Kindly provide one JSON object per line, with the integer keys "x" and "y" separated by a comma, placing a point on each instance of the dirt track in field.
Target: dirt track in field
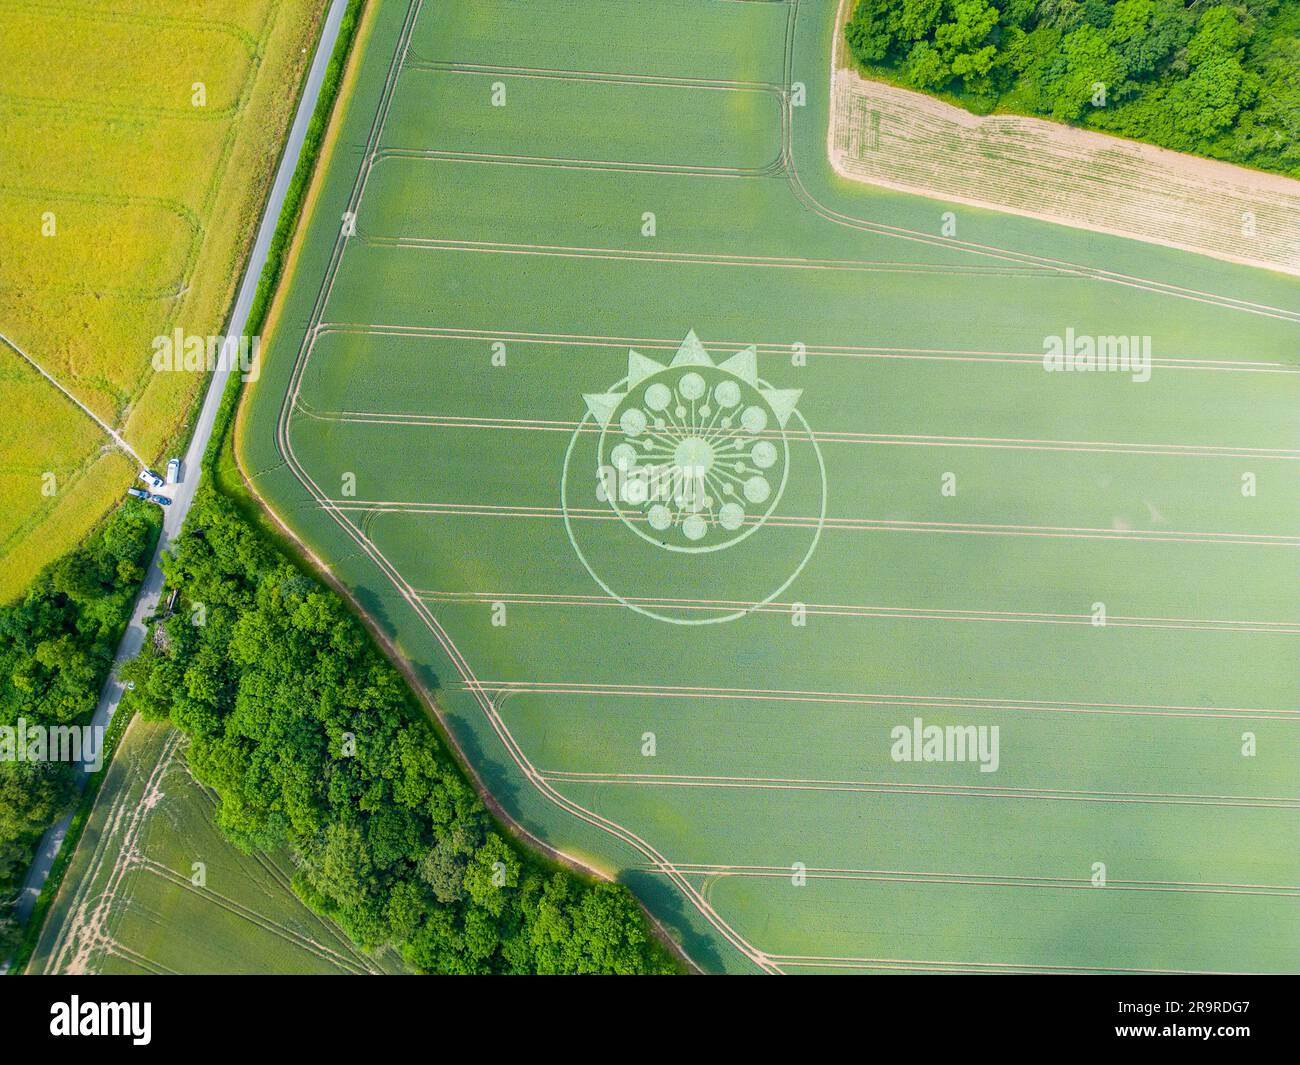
{"x": 911, "y": 142}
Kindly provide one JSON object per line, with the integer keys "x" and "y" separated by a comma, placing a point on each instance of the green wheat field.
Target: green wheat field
{"x": 1101, "y": 569}
{"x": 155, "y": 888}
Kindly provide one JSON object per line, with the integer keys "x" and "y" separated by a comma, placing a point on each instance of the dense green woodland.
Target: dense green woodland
{"x": 1220, "y": 79}
{"x": 56, "y": 647}
{"x": 312, "y": 741}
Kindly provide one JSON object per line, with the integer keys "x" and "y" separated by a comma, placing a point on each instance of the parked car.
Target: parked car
{"x": 139, "y": 493}
{"x": 162, "y": 501}
{"x": 151, "y": 479}
{"x": 174, "y": 471}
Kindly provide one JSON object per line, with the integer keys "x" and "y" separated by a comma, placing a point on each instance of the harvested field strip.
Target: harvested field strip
{"x": 911, "y": 142}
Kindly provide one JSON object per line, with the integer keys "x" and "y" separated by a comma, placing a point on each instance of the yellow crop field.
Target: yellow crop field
{"x": 139, "y": 140}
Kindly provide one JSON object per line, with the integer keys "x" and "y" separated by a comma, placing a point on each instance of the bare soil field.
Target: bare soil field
{"x": 911, "y": 142}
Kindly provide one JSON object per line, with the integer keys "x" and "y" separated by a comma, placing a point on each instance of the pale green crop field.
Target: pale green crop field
{"x": 1101, "y": 569}
{"x": 154, "y": 887}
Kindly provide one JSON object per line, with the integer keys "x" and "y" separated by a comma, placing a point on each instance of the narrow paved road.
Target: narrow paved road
{"x": 183, "y": 493}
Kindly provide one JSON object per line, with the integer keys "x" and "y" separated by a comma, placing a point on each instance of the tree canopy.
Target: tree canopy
{"x": 1216, "y": 79}
{"x": 56, "y": 647}
{"x": 313, "y": 742}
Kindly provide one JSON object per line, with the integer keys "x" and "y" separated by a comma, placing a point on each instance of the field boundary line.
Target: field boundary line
{"x": 825, "y": 436}
{"x": 768, "y": 347}
{"x": 886, "y": 787}
{"x": 258, "y": 920}
{"x": 986, "y": 967}
{"x": 108, "y": 430}
{"x": 275, "y": 873}
{"x": 700, "y": 868}
{"x": 143, "y": 18}
{"x": 771, "y": 169}
{"x": 944, "y": 702}
{"x": 603, "y": 76}
{"x": 851, "y": 610}
{"x": 490, "y": 510}
{"x": 687, "y": 258}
